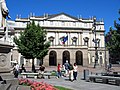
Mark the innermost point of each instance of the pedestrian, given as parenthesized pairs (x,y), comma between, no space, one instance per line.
(66,65)
(75,67)
(71,72)
(42,69)
(23,68)
(59,70)
(33,68)
(16,70)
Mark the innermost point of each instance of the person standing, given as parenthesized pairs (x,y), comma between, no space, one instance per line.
(71,72)
(23,68)
(59,70)
(66,65)
(16,70)
(75,67)
(42,69)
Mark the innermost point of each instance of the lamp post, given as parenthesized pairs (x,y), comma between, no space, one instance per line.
(95,41)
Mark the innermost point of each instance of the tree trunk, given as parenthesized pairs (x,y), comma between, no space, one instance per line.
(33,66)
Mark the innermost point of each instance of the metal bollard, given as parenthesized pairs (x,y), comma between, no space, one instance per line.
(86,73)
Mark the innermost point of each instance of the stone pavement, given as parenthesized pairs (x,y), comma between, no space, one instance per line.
(78,84)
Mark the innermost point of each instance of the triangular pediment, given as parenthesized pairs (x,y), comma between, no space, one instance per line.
(62,17)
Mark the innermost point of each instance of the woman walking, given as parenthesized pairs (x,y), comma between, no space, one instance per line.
(59,70)
(75,71)
(71,72)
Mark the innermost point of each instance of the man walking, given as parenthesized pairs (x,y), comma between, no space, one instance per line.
(66,68)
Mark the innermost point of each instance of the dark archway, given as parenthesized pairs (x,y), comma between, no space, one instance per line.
(66,56)
(52,58)
(79,58)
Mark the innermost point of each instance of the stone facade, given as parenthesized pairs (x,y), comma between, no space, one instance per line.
(71,39)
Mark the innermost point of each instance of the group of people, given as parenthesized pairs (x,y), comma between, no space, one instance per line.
(70,70)
(17,70)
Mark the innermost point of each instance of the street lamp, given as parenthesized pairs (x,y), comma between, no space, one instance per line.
(95,40)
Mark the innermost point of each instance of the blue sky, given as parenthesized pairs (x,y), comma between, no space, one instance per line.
(106,9)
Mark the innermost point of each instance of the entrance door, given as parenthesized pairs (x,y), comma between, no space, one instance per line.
(52,58)
(79,58)
(66,56)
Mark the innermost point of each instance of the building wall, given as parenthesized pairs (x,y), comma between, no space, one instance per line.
(61,25)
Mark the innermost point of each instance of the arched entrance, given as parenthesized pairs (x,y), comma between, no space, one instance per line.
(79,58)
(52,58)
(66,56)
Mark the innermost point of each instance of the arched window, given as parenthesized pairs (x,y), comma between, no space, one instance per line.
(66,56)
(79,58)
(52,58)
(74,40)
(86,39)
(51,39)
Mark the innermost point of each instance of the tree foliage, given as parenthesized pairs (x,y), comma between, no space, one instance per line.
(113,42)
(32,42)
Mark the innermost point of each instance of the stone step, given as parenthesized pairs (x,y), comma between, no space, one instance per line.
(14,87)
(6,76)
(13,81)
(5,86)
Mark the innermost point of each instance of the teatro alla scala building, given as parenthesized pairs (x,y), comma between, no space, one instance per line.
(72,38)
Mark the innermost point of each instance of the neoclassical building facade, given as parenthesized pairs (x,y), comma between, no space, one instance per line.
(71,39)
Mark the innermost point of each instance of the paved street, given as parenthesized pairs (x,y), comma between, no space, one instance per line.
(79,84)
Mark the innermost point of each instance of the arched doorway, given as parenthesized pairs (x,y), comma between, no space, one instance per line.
(66,56)
(79,58)
(52,58)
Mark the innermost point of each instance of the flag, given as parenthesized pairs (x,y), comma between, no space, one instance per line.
(63,39)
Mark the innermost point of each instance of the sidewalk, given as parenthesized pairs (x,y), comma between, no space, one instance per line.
(79,84)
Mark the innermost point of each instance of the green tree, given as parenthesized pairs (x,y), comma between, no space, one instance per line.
(113,42)
(32,43)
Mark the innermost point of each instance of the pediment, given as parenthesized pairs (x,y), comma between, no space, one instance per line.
(62,17)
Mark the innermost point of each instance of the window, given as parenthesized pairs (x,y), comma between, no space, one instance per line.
(86,39)
(51,22)
(74,23)
(63,23)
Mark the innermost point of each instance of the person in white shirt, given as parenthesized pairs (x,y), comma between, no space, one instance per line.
(16,70)
(75,71)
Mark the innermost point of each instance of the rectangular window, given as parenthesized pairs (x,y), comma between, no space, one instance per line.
(51,22)
(63,23)
(74,23)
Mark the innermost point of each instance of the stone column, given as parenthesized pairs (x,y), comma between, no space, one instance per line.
(78,39)
(81,38)
(69,39)
(59,56)
(90,41)
(85,57)
(58,38)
